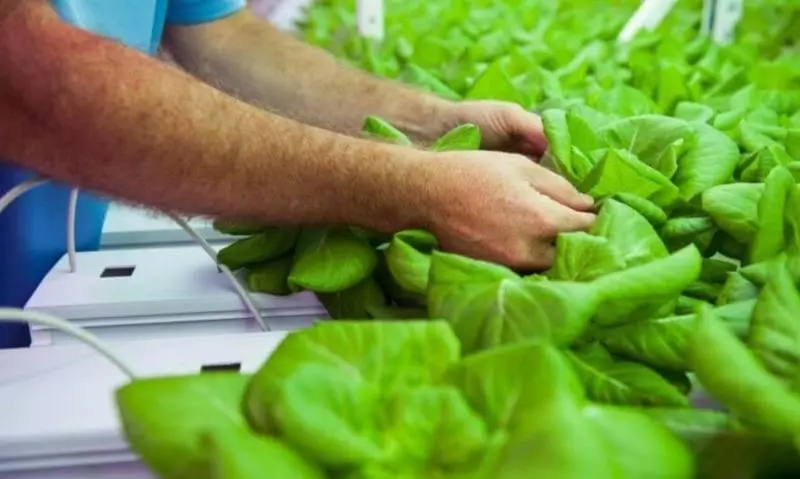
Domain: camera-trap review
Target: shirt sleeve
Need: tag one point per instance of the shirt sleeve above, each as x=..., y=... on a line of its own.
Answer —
x=193, y=12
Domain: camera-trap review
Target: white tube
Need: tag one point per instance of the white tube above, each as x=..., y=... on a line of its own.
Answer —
x=240, y=290
x=18, y=191
x=34, y=317
x=648, y=16
x=71, y=212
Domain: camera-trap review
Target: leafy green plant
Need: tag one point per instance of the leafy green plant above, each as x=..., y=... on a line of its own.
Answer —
x=359, y=400
x=344, y=266
x=688, y=281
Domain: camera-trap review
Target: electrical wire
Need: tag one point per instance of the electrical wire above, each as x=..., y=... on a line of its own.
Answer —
x=33, y=317
x=240, y=290
x=28, y=185
x=19, y=190
x=71, y=213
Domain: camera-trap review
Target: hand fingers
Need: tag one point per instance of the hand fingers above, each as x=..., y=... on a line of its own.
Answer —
x=540, y=257
x=528, y=254
x=557, y=218
x=551, y=219
x=528, y=131
x=558, y=188
x=524, y=255
x=530, y=151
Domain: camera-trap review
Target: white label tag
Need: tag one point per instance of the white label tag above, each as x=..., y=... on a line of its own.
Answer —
x=369, y=15
x=726, y=17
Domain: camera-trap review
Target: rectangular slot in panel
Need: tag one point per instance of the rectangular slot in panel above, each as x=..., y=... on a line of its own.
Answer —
x=118, y=272
x=221, y=367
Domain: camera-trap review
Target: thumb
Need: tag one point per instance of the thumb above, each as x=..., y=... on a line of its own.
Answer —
x=527, y=130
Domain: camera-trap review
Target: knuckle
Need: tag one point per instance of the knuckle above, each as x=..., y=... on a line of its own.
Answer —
x=542, y=259
x=522, y=162
x=588, y=220
x=514, y=108
x=509, y=252
x=517, y=257
x=545, y=225
x=566, y=185
x=530, y=255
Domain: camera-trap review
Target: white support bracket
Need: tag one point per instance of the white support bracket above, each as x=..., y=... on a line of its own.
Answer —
x=720, y=18
x=648, y=16
x=369, y=17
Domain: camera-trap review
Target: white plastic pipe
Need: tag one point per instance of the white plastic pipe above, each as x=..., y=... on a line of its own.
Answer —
x=241, y=291
x=72, y=211
x=648, y=16
x=727, y=14
x=369, y=19
x=19, y=315
x=18, y=191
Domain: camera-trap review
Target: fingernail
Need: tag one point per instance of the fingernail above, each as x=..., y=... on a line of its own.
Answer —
x=587, y=199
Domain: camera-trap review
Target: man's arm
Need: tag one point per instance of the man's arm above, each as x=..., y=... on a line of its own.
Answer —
x=91, y=112
x=246, y=56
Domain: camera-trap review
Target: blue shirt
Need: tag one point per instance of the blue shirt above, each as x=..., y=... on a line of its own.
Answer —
x=140, y=23
x=32, y=228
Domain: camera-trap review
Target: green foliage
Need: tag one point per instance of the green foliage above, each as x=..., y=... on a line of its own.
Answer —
x=389, y=399
x=442, y=366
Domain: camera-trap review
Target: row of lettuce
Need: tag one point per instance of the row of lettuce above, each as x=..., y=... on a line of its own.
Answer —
x=442, y=366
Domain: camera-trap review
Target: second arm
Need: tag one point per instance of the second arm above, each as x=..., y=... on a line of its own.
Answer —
x=250, y=58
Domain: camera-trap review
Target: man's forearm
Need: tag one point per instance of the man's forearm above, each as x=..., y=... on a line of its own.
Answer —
x=90, y=112
x=255, y=61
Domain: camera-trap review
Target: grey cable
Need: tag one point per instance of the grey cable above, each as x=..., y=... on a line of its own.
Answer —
x=240, y=290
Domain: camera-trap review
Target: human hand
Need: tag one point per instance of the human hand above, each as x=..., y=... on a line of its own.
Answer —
x=504, y=126
x=501, y=207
